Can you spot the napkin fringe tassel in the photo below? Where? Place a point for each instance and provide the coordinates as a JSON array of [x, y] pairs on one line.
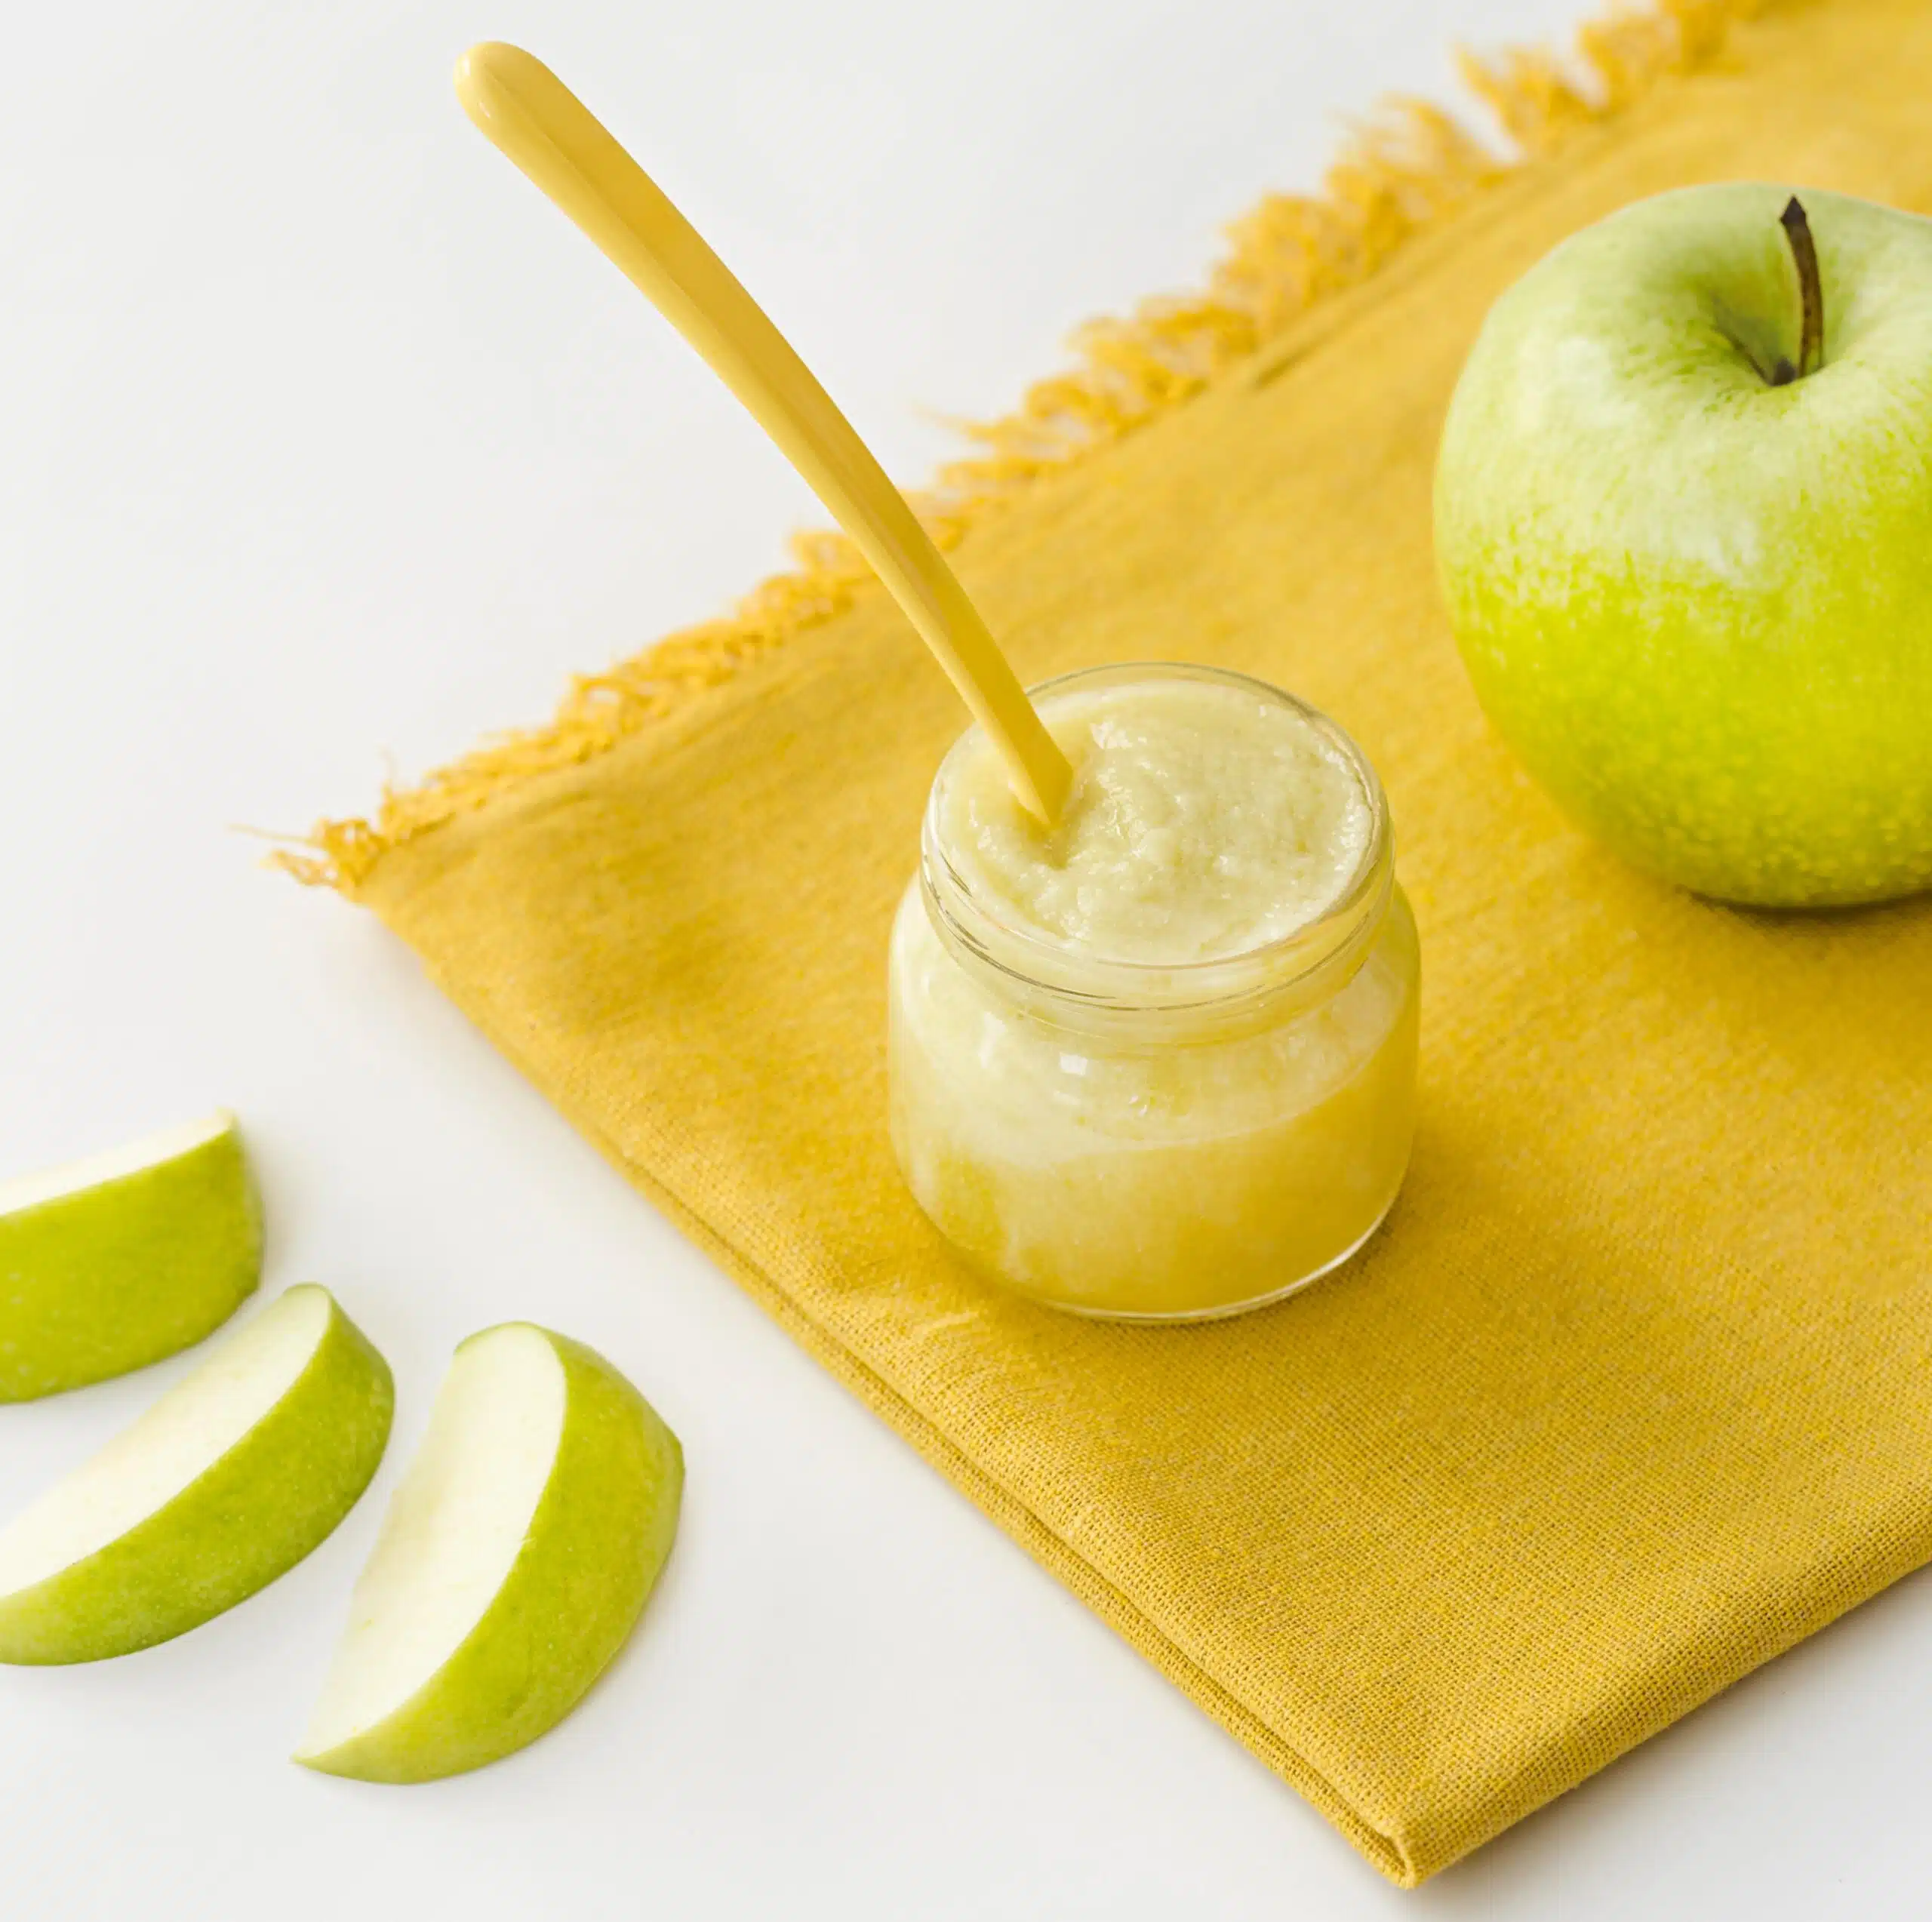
[[1406, 169]]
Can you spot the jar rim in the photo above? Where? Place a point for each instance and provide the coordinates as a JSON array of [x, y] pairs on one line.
[[1330, 942]]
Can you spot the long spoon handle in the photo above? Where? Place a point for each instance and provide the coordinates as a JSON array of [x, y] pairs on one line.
[[526, 111]]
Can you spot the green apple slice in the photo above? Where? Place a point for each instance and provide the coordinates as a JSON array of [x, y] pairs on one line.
[[515, 1559], [112, 1262], [227, 1482]]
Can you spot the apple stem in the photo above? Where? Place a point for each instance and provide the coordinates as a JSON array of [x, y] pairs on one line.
[[1811, 295]]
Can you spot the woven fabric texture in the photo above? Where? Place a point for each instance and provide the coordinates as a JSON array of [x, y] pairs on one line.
[[1635, 1389]]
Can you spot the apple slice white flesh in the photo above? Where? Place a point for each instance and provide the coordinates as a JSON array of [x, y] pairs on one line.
[[516, 1555], [225, 1483], [114, 1261]]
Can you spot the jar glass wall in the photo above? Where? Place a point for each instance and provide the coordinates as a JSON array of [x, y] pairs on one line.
[[1153, 1142]]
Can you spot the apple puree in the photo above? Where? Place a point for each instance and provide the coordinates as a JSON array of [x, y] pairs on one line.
[[1206, 820], [1157, 1061]]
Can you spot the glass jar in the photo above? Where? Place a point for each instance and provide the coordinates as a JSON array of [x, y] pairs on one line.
[[1149, 1142]]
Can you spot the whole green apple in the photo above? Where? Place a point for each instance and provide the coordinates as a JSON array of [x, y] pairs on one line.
[[1684, 522]]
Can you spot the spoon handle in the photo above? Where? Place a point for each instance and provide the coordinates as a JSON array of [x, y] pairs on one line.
[[527, 111]]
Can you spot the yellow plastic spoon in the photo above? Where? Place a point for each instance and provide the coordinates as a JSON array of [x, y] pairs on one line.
[[525, 110]]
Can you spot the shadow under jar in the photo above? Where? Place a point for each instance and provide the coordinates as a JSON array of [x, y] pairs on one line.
[[1163, 1138]]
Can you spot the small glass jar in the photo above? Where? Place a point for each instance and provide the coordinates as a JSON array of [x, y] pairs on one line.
[[1155, 1142]]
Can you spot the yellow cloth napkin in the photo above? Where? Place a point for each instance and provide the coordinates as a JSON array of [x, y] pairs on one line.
[[1636, 1389]]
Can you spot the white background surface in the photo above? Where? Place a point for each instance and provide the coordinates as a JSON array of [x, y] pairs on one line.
[[320, 436]]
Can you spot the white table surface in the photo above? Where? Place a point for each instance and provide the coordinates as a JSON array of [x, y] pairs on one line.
[[321, 439]]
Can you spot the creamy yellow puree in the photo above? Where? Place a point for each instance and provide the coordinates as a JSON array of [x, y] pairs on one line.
[[1206, 819], [1159, 1060]]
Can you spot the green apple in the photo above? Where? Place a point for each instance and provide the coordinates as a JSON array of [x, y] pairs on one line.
[[227, 1482], [1687, 551], [110, 1263], [515, 1557]]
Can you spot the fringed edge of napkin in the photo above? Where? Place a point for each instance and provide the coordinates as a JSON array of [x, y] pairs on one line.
[[1408, 168]]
